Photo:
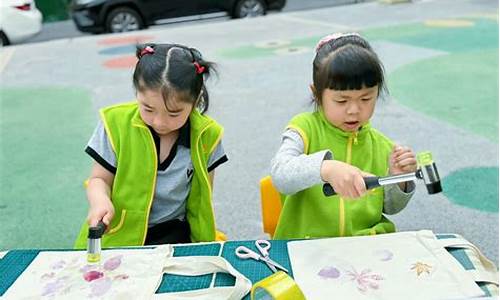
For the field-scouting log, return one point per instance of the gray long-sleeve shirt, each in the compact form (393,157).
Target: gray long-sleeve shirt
(292,171)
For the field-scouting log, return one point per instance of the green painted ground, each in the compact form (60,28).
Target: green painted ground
(256,51)
(460,87)
(474,188)
(42,163)
(464,83)
(482,35)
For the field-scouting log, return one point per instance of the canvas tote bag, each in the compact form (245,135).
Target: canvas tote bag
(121,274)
(404,265)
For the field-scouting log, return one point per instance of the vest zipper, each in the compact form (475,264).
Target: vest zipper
(353,139)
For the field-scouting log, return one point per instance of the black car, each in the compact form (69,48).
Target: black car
(126,15)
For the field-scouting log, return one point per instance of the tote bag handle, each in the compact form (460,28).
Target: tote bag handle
(201,265)
(485,270)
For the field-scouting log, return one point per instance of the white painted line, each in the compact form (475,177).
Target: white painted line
(2,254)
(312,22)
(5,56)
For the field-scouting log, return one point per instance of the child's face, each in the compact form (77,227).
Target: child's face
(350,109)
(155,114)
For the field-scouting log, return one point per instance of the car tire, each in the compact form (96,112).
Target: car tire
(122,19)
(249,9)
(3,39)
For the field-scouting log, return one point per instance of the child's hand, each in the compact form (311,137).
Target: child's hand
(346,180)
(402,160)
(101,210)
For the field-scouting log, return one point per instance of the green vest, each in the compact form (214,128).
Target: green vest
(310,214)
(135,179)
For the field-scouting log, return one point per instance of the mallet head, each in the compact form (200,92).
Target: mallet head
(428,172)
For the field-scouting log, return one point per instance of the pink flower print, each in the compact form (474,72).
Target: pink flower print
(329,272)
(113,263)
(92,275)
(121,276)
(365,280)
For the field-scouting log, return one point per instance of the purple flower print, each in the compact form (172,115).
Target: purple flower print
(365,279)
(383,254)
(100,287)
(329,272)
(48,275)
(113,263)
(51,288)
(87,268)
(58,265)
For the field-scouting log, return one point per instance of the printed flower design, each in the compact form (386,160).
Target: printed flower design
(48,275)
(92,275)
(420,268)
(329,272)
(58,265)
(100,287)
(63,276)
(383,254)
(113,263)
(365,279)
(52,288)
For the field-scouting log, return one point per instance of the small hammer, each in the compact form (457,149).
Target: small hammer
(94,242)
(427,171)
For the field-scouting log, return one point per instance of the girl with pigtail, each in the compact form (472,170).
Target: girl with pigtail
(154,158)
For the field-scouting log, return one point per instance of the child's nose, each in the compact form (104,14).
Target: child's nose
(159,122)
(353,108)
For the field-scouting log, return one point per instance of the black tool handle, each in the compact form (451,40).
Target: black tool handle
(97,231)
(370,183)
(102,227)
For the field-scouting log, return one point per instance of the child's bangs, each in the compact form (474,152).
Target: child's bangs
(172,97)
(353,70)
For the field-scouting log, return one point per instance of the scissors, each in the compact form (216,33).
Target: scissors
(263,246)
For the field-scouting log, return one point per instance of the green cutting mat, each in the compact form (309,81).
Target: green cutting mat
(13,264)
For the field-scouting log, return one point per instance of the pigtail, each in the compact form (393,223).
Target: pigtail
(204,69)
(144,49)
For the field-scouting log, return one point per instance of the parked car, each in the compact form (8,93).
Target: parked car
(126,15)
(19,20)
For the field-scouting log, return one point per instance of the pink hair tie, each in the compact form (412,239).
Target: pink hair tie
(147,50)
(332,37)
(199,69)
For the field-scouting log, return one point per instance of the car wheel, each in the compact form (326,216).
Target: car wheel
(249,9)
(123,19)
(3,39)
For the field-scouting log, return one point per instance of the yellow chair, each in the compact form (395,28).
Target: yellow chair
(219,235)
(270,200)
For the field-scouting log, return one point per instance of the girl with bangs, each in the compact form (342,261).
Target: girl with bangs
(336,144)
(154,158)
